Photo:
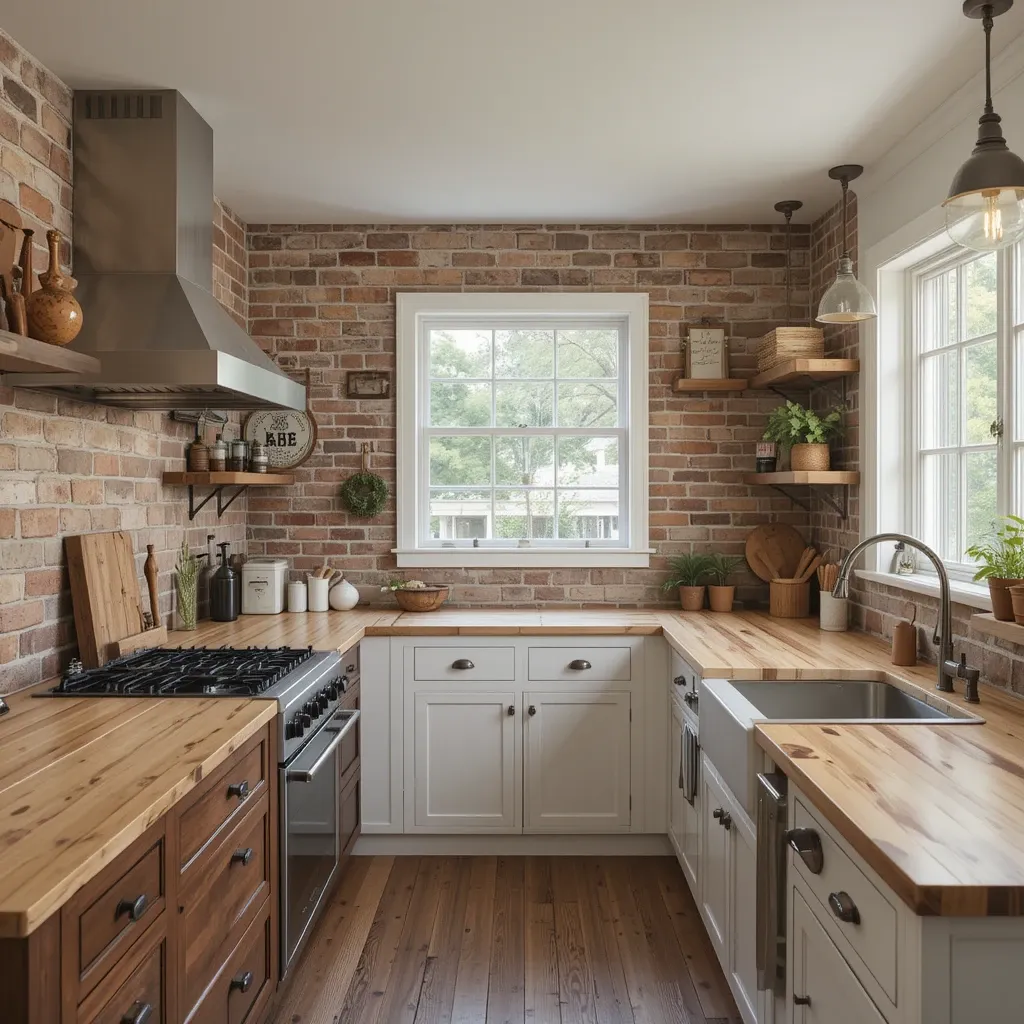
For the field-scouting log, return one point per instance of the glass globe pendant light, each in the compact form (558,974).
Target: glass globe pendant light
(847,301)
(985,205)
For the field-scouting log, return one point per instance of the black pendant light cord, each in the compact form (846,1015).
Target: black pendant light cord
(846,191)
(789,234)
(987,25)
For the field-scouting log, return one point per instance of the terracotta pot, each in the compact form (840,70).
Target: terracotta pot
(1017,599)
(691,598)
(999,591)
(721,598)
(812,457)
(54,314)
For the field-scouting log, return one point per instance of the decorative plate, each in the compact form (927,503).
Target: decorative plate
(288,436)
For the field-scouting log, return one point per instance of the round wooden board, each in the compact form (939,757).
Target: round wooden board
(783,545)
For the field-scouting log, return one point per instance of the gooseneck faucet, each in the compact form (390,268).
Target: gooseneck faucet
(948,667)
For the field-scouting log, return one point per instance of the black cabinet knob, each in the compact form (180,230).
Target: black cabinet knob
(807,843)
(679,680)
(133,908)
(240,789)
(242,856)
(723,816)
(801,1000)
(531,710)
(842,905)
(511,709)
(462,664)
(138,1014)
(579,664)
(242,981)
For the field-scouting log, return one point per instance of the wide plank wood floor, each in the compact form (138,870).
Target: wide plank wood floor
(509,940)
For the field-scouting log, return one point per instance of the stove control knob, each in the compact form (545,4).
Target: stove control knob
(304,721)
(324,699)
(343,683)
(311,708)
(294,729)
(332,690)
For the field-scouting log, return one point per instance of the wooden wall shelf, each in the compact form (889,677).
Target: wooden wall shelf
(26,355)
(711,384)
(828,478)
(990,626)
(218,481)
(804,373)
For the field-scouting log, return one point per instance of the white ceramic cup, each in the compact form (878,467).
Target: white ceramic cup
(317,593)
(297,597)
(833,613)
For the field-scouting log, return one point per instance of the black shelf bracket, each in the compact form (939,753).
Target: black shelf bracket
(821,385)
(217,492)
(841,507)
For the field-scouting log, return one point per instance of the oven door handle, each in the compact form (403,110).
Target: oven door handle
(308,774)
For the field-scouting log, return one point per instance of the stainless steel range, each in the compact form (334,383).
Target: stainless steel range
(317,697)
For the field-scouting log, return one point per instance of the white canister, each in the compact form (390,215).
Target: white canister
(833,613)
(263,585)
(317,593)
(297,597)
(343,595)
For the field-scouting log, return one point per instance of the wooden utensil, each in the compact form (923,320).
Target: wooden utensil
(805,560)
(809,571)
(10,226)
(781,543)
(152,570)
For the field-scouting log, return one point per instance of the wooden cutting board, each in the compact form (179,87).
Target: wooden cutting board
(775,544)
(105,593)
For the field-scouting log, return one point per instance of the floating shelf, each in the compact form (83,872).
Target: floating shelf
(711,384)
(804,373)
(218,481)
(990,626)
(829,477)
(26,355)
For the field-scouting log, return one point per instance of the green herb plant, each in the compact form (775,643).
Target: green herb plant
(185,582)
(792,424)
(721,567)
(687,570)
(1001,556)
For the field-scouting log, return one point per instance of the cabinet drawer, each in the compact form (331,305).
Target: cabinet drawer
(224,799)
(242,982)
(874,938)
(465,663)
(234,884)
(579,664)
(143,988)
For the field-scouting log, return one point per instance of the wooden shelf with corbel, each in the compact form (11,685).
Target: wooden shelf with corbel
(838,478)
(803,373)
(218,481)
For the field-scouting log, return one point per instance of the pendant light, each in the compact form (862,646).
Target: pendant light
(787,208)
(985,205)
(847,301)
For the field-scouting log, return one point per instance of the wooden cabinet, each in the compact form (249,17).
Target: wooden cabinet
(684,817)
(577,761)
(462,765)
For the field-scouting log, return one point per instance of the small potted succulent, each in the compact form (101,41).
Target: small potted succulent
(688,574)
(1002,564)
(805,433)
(721,594)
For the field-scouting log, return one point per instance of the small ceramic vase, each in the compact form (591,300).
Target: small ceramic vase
(343,596)
(54,314)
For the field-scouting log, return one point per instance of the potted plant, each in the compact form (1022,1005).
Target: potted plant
(687,574)
(805,433)
(1002,564)
(720,594)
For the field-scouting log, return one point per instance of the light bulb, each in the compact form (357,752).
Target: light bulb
(986,220)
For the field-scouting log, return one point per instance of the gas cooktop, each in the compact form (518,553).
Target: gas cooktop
(185,672)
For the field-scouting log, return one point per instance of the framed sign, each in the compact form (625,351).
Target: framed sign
(368,384)
(288,436)
(706,355)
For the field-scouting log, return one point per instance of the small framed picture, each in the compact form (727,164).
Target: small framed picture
(368,384)
(706,354)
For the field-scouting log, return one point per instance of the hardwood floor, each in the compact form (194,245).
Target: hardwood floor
(509,940)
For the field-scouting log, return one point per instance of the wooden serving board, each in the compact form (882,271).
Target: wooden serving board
(105,593)
(775,544)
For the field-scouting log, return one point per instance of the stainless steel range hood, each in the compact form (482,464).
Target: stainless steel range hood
(143,241)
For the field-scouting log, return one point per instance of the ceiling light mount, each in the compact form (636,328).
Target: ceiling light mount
(847,301)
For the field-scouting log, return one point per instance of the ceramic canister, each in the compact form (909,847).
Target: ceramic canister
(297,596)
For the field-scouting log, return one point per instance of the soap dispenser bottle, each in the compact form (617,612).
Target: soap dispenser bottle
(223,589)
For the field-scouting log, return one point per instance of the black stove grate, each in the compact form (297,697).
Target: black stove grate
(196,671)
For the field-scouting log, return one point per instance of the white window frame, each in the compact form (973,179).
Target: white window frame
(414,309)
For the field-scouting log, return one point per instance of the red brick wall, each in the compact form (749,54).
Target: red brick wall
(322,297)
(67,467)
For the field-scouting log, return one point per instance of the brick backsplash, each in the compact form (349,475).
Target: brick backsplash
(322,298)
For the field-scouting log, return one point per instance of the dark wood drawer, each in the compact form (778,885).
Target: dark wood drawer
(143,988)
(243,985)
(222,800)
(214,910)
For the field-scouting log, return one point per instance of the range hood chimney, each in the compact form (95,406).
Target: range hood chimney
(143,180)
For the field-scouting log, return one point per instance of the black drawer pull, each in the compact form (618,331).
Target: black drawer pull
(138,1014)
(801,1000)
(239,789)
(842,905)
(531,710)
(511,710)
(679,680)
(133,908)
(807,843)
(579,664)
(242,981)
(242,856)
(462,664)
(723,816)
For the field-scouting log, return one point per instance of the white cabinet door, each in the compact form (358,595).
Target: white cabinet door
(462,772)
(742,916)
(577,768)
(828,990)
(714,862)
(684,817)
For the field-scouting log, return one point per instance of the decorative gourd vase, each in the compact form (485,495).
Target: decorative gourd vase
(342,596)
(54,315)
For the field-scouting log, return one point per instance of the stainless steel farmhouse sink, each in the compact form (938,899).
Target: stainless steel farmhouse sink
(729,710)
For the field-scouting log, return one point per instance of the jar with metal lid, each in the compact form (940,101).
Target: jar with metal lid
(258,461)
(239,456)
(218,455)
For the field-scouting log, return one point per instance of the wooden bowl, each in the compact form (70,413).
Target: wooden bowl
(424,599)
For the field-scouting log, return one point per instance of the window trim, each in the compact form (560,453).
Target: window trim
(412,308)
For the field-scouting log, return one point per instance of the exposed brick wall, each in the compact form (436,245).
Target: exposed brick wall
(322,297)
(68,467)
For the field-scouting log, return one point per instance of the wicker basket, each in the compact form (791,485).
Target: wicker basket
(813,458)
(789,599)
(423,599)
(789,343)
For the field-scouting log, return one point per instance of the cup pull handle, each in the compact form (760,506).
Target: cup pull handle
(138,1014)
(462,664)
(807,843)
(842,905)
(579,664)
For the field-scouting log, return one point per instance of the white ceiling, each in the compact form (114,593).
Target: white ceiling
(519,110)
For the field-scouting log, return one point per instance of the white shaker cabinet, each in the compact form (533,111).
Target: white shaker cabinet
(714,861)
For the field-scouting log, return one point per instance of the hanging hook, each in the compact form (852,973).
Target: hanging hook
(366,456)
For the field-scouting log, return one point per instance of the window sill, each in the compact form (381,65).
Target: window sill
(969,594)
(522,558)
